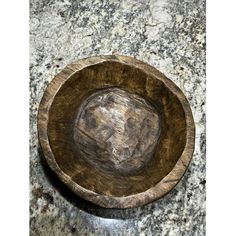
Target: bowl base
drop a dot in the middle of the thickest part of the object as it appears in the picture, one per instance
(117, 130)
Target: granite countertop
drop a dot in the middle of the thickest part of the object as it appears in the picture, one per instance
(168, 34)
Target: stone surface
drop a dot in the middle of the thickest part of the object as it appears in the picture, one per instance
(168, 34)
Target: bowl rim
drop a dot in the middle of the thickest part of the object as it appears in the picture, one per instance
(165, 185)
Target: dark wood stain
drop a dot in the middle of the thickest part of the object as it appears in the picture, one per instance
(116, 161)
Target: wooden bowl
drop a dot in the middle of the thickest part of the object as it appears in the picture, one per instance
(116, 131)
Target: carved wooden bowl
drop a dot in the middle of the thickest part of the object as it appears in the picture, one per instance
(116, 131)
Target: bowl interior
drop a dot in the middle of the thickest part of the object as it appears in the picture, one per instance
(148, 137)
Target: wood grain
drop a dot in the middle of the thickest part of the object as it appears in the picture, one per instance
(116, 131)
(116, 161)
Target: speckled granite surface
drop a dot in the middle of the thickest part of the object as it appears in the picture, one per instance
(168, 34)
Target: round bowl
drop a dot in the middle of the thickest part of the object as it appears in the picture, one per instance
(116, 131)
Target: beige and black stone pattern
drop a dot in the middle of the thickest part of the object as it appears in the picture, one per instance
(167, 34)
